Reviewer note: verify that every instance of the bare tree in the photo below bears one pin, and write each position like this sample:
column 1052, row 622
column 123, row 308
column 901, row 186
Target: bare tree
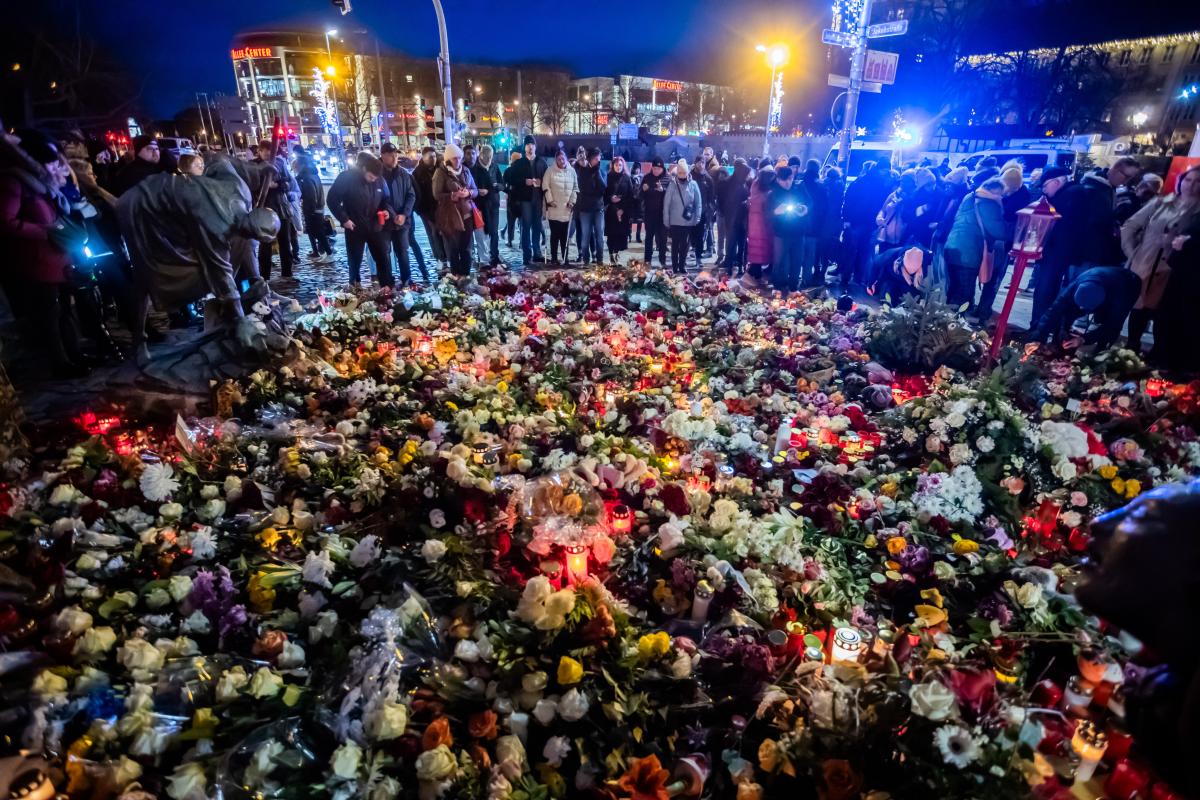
column 549, row 94
column 354, row 95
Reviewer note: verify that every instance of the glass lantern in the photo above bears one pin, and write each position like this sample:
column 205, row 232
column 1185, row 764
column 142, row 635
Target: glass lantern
column 1033, row 227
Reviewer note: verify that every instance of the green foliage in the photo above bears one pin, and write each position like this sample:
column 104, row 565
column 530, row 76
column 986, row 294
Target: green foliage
column 921, row 335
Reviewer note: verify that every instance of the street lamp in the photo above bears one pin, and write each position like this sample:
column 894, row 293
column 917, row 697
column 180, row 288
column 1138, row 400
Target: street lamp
column 337, row 117
column 776, row 57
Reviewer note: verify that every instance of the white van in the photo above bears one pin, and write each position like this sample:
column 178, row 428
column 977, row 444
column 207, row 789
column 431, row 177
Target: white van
column 864, row 150
column 1030, row 158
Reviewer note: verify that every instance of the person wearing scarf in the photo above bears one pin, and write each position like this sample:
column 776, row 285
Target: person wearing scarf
column 619, row 200
column 454, row 190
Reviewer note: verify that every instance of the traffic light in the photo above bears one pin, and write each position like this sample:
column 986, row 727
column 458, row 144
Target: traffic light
column 437, row 131
column 502, row 140
column 342, row 5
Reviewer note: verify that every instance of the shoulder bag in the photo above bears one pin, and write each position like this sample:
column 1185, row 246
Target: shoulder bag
column 987, row 264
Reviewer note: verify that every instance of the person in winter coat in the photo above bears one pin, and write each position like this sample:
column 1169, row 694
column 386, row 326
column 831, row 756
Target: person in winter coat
column 1131, row 198
column 735, row 192
column 426, row 206
column 922, row 209
column 864, row 198
column 281, row 191
column 1175, row 319
column 1149, row 240
column 618, row 205
column 589, row 208
column 654, row 192
column 720, row 178
column 792, row 217
column 682, row 206
column 455, row 191
column 560, row 183
column 402, row 196
column 830, row 234
column 486, row 173
column 1085, row 236
column 637, row 222
column 312, row 205
column 979, row 224
column 146, row 162
column 893, row 216
column 760, row 239
column 708, row 193
column 1016, row 197
column 524, row 182
column 1107, row 293
column 512, row 209
column 36, row 268
column 358, row 199
column 810, row 182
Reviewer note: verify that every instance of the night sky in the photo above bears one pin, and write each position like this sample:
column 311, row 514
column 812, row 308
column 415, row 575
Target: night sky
column 179, row 53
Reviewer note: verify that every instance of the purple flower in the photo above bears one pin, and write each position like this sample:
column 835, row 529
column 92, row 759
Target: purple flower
column 915, row 560
column 233, row 619
column 994, row 607
column 203, row 596
column 1001, row 538
column 683, row 577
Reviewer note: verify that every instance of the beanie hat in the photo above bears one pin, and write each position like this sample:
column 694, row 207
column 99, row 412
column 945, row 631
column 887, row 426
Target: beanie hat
column 1089, row 295
column 141, row 141
column 452, row 151
column 592, row 152
column 530, row 140
column 957, row 175
column 369, row 163
column 923, row 177
column 37, row 146
column 1012, row 178
column 1050, row 173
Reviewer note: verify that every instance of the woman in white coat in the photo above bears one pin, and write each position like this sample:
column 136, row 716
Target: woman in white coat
column 561, row 187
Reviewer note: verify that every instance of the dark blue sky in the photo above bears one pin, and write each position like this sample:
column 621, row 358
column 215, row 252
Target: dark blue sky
column 181, row 51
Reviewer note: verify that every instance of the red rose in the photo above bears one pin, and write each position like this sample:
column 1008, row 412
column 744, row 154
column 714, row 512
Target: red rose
column 675, row 500
column 976, row 689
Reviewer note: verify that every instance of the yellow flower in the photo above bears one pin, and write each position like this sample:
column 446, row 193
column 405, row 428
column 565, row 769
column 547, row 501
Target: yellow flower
column 204, row 719
column 870, row 540
column 1133, row 488
column 552, row 780
column 381, row 455
column 1118, row 485
column 262, row 597
column 890, row 488
column 1108, row 472
column 930, row 615
column 502, row 387
column 451, row 406
column 896, row 545
column 933, row 596
column 653, row 645
column 268, row 538
column 569, row 671
column 964, row 546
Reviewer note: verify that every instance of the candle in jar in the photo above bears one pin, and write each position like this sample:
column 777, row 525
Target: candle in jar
column 1089, row 743
column 478, row 451
column 622, row 520
column 700, row 601
column 576, row 563
column 1078, row 697
column 847, row 643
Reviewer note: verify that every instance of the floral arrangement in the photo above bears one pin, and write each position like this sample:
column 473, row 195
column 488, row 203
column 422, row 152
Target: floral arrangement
column 579, row 535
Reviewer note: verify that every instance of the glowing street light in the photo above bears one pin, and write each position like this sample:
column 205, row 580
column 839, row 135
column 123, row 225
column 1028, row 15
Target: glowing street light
column 1139, row 119
column 330, row 71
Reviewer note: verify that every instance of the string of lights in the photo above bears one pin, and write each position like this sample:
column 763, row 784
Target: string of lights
column 846, row 14
column 1110, row 46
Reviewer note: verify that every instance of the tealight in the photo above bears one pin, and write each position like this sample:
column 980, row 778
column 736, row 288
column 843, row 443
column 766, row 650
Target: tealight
column 847, row 643
column 622, row 520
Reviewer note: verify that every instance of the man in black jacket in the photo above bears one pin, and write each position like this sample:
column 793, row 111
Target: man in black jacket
column 524, row 182
column 426, row 205
column 359, row 200
column 1083, row 238
column 486, row 173
column 312, row 206
column 864, row 199
column 402, row 195
column 708, row 192
column 146, row 162
column 654, row 187
column 589, row 208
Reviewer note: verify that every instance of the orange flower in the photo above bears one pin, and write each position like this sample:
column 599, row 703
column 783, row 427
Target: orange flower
column 483, row 725
column 437, row 734
column 896, row 544
column 645, row 779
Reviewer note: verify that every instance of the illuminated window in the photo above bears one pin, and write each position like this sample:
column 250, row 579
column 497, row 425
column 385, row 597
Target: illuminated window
column 1147, row 52
column 1125, row 56
column 408, row 79
column 1169, row 53
column 1195, row 59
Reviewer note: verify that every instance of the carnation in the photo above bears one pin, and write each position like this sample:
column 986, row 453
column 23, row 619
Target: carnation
column 157, row 481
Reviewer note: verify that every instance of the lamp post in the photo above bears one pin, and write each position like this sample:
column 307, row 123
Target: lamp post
column 444, row 72
column 1033, row 227
column 337, row 117
column 776, row 57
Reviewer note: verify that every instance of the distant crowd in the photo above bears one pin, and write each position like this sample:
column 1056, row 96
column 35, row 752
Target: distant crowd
column 1124, row 251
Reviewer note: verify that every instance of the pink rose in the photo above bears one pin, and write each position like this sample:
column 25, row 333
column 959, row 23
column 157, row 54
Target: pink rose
column 1079, row 499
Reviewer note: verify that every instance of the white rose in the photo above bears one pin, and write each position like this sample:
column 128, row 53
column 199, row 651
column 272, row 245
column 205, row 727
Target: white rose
column 64, row 494
column 47, row 684
column 433, row 550
column 389, row 721
column 932, row 700
column 188, row 782
column 1029, row 595
column 437, row 518
column 140, row 654
column 436, row 764
column 94, row 642
column 557, row 748
column 291, row 657
column 533, row 682
column 573, row 705
column 231, row 683
column 265, row 683
column 510, row 755
column 179, row 586
column 345, row 760
column 157, row 598
column 544, row 710
column 365, row 551
column 466, row 650
column 73, row 619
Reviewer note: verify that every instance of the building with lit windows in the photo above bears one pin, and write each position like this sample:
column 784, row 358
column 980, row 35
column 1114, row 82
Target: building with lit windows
column 274, row 71
column 658, row 104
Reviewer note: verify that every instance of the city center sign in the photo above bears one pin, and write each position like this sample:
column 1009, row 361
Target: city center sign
column 237, row 54
column 668, row 86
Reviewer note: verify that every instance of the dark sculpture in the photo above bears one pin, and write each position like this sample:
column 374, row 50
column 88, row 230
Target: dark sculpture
column 191, row 236
column 1145, row 579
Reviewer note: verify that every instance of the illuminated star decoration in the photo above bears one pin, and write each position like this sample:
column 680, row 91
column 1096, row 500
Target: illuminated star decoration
column 323, row 107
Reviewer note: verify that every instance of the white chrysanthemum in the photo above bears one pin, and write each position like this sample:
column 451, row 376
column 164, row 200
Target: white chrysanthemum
column 158, row 481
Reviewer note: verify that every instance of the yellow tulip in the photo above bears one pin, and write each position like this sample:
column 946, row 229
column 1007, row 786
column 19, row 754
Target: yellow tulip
column 569, row 671
column 653, row 645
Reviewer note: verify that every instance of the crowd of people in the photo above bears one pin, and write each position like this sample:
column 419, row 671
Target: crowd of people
column 1123, row 251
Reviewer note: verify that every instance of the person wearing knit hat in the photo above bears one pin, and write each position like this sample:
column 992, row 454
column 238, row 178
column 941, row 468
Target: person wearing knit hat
column 144, row 164
column 958, row 175
column 455, row 190
column 1016, row 196
column 1012, row 179
column 523, row 183
column 359, row 200
column 529, row 140
column 924, row 177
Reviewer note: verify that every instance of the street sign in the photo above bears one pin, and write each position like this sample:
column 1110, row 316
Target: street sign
column 838, row 38
column 627, row 131
column 843, row 82
column 881, row 66
column 897, row 27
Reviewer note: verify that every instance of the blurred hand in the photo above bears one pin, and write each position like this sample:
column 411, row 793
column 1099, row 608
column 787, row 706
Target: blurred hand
column 1179, row 241
column 348, row 225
